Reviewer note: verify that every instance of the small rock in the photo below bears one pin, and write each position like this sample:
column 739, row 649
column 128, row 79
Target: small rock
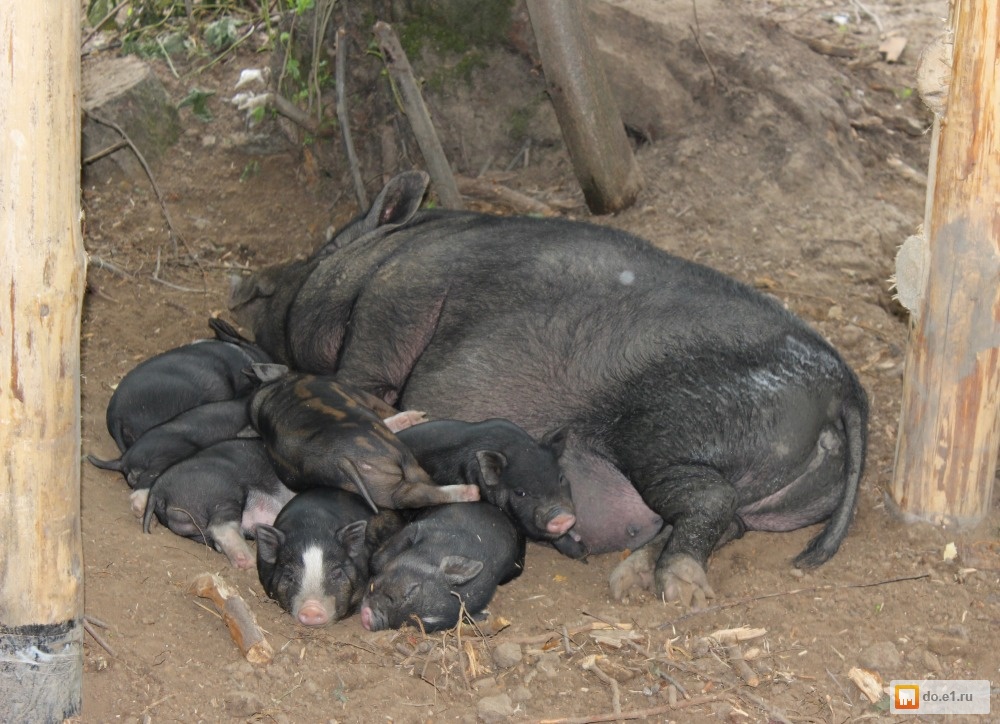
column 882, row 656
column 952, row 646
column 507, row 655
column 208, row 141
column 495, row 708
column 520, row 693
column 239, row 669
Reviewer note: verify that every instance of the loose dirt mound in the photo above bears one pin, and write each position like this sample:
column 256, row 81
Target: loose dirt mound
column 762, row 158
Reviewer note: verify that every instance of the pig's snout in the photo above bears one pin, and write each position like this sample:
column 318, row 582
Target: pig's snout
column 366, row 618
column 560, row 523
column 312, row 613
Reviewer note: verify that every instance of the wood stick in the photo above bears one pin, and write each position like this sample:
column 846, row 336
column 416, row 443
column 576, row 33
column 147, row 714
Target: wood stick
column 237, row 615
column 344, row 118
column 400, row 71
column 487, row 190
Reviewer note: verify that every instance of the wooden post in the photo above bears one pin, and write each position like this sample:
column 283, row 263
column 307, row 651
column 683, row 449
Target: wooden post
column 949, row 434
column 591, row 124
column 401, row 72
column 42, row 274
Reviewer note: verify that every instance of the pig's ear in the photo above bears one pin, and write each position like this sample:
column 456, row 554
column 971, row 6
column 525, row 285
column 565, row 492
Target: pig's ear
column 352, row 537
column 487, row 468
column 267, row 371
column 243, row 290
column 459, row 569
column 556, row 440
column 398, row 201
column 269, row 540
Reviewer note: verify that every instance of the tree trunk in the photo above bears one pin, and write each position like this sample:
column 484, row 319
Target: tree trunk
column 590, row 122
column 948, row 434
column 42, row 269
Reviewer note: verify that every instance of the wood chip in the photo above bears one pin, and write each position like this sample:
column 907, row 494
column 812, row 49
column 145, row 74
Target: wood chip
column 892, row 47
column 869, row 682
column 733, row 635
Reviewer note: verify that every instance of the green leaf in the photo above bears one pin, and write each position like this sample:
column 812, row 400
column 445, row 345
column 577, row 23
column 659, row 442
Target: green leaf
column 198, row 100
column 98, row 10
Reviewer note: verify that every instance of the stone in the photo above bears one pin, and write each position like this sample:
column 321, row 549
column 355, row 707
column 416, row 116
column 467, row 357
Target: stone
column 882, row 656
column 495, row 708
column 507, row 655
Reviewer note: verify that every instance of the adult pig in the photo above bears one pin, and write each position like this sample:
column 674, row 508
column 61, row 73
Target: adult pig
column 314, row 560
column 219, row 496
column 162, row 387
column 467, row 549
column 512, row 470
column 174, row 440
column 690, row 399
column 321, row 433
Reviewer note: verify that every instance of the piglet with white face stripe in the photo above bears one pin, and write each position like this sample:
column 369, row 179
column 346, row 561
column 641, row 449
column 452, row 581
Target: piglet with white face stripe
column 314, row 560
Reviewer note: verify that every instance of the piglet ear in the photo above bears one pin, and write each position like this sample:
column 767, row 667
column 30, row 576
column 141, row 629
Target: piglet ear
column 352, row 537
column 459, row 569
column 266, row 372
column 556, row 440
column 487, row 468
column 269, row 540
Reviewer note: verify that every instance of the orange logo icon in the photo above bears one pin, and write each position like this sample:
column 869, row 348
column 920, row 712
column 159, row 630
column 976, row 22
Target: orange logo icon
column 907, row 696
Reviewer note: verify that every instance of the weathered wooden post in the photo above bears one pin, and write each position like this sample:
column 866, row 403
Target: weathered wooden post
column 42, row 269
column 591, row 124
column 949, row 429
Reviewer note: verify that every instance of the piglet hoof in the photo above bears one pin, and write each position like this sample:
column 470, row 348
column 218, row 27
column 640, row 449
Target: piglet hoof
column 681, row 578
column 405, row 419
column 635, row 572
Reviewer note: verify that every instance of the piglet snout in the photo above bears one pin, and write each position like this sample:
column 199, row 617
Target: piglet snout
column 366, row 618
column 312, row 613
column 560, row 523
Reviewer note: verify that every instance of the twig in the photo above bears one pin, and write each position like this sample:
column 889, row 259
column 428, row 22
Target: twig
column 223, row 54
column 667, row 677
column 166, row 56
column 696, row 32
column 106, row 152
column 344, row 118
column 590, row 664
column 399, row 69
column 100, row 263
column 106, row 18
column 154, row 704
column 639, row 713
column 97, row 637
column 773, row 714
column 566, row 645
column 735, row 656
column 174, row 236
column 319, row 32
column 237, row 615
column 869, row 13
column 582, row 628
column 164, row 282
column 292, row 112
column 777, row 594
column 491, row 191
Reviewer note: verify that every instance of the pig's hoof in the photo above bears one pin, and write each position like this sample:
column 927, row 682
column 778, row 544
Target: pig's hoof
column 683, row 579
column 636, row 571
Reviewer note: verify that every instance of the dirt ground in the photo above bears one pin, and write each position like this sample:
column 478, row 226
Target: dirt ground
column 794, row 170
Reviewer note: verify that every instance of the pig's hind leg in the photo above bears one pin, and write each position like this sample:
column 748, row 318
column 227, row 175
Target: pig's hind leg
column 700, row 505
column 421, row 495
column 371, row 364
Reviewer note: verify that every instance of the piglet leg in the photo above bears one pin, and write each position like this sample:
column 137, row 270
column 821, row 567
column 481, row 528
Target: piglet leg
column 229, row 540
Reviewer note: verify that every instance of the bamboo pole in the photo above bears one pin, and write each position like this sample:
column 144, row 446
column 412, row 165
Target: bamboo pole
column 949, row 434
column 42, row 274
